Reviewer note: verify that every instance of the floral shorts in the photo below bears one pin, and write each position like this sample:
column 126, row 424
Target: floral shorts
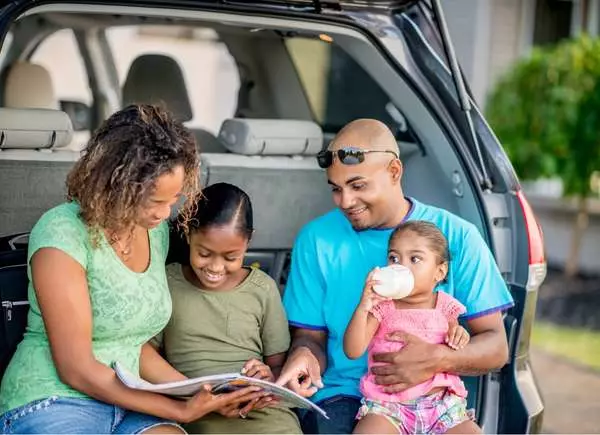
column 432, row 414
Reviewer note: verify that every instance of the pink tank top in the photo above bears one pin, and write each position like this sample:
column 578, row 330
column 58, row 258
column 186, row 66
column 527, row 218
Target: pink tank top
column 430, row 325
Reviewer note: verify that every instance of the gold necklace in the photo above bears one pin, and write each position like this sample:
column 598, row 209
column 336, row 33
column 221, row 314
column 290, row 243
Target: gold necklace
column 126, row 251
column 116, row 240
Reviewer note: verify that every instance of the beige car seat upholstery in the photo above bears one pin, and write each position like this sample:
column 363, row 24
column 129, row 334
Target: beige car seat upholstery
column 158, row 79
column 28, row 85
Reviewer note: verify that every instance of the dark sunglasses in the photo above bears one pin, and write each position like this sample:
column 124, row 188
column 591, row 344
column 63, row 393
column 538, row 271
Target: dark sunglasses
column 347, row 156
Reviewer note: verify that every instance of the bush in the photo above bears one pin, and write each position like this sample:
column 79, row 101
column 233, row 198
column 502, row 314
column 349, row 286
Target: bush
column 545, row 112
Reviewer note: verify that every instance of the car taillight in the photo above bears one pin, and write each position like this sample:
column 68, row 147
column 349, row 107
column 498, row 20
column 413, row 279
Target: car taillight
column 535, row 239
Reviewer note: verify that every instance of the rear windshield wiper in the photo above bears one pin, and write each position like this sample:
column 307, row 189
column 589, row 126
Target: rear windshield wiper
column 463, row 96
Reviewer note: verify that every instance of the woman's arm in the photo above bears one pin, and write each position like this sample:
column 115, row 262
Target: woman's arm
column 65, row 295
column 154, row 368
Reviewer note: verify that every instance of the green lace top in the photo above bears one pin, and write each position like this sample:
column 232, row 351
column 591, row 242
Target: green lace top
column 128, row 308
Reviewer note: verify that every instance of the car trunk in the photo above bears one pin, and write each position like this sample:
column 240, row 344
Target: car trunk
column 446, row 137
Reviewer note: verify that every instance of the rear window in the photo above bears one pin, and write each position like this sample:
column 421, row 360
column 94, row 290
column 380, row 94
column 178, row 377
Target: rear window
column 210, row 73
column 59, row 53
column 339, row 90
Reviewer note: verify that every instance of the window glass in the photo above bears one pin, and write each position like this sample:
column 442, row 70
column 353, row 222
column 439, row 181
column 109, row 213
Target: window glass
column 5, row 46
column 339, row 90
column 210, row 73
column 60, row 55
column 553, row 20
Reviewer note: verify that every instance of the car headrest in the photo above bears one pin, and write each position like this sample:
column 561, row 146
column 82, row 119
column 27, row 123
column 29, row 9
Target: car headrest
column 157, row 79
column 271, row 137
column 34, row 129
column 29, row 86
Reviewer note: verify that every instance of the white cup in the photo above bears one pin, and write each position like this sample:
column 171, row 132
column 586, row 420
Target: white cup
column 395, row 281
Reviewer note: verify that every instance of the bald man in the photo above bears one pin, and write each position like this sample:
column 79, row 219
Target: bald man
column 331, row 259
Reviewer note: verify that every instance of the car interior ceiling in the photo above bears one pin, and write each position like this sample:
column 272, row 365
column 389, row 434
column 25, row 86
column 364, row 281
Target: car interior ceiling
column 276, row 91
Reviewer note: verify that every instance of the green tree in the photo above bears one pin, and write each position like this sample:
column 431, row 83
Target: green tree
column 546, row 113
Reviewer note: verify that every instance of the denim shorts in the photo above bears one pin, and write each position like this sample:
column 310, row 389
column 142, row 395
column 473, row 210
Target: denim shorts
column 60, row 415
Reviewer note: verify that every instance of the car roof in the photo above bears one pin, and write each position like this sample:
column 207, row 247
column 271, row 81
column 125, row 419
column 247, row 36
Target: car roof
column 297, row 5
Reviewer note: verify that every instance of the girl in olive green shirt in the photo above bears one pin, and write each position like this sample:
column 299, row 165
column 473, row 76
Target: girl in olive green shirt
column 227, row 317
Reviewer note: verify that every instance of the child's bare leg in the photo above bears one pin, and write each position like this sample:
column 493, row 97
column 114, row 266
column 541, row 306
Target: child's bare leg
column 375, row 424
column 466, row 427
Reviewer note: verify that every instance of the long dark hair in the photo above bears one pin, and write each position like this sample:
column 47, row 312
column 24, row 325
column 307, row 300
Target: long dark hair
column 221, row 204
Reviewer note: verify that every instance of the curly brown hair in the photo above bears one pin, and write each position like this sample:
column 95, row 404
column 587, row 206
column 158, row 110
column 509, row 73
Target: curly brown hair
column 122, row 162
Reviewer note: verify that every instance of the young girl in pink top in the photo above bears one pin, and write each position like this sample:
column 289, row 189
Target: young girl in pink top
column 439, row 404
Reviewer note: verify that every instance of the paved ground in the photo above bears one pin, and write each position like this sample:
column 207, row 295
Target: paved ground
column 570, row 301
column 571, row 395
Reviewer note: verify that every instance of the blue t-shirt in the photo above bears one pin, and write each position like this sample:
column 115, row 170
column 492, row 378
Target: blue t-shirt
column 330, row 263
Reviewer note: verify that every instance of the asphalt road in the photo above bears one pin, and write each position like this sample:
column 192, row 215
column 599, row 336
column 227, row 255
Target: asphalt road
column 571, row 394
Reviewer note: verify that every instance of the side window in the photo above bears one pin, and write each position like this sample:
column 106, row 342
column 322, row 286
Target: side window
column 339, row 90
column 312, row 60
column 210, row 72
column 60, row 55
column 5, row 46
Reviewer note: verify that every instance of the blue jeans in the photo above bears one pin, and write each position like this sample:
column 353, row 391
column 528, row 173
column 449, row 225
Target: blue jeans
column 341, row 411
column 60, row 415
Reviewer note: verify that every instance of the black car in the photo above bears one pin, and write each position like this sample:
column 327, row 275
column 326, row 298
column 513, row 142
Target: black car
column 324, row 61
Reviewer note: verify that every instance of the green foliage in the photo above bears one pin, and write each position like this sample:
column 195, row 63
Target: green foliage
column 576, row 344
column 546, row 113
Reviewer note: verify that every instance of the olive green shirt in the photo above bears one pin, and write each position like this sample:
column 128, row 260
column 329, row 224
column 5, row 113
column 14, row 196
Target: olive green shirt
column 213, row 332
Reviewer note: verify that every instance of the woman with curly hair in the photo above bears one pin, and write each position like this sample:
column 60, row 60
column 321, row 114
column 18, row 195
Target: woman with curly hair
column 98, row 288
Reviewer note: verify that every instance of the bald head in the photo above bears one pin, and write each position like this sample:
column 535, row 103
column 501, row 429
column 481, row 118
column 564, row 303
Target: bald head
column 365, row 134
column 368, row 191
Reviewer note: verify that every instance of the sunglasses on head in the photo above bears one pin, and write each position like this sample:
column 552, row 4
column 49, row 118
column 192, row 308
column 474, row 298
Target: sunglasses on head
column 347, row 156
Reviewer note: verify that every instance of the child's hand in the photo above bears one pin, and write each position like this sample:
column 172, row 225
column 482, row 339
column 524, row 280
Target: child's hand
column 457, row 337
column 255, row 368
column 370, row 299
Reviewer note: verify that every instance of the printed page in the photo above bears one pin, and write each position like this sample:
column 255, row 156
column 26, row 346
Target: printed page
column 221, row 383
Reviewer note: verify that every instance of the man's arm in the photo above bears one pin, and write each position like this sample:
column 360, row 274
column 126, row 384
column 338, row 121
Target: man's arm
column 479, row 286
column 419, row 361
column 313, row 340
column 487, row 350
column 307, row 360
